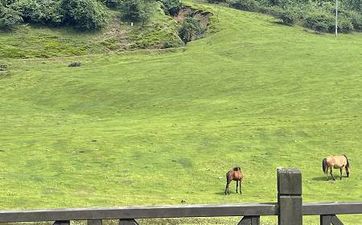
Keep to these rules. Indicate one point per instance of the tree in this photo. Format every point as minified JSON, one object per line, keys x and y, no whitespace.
{"x":136,"y":10}
{"x":84,"y":14}
{"x":8,"y":16}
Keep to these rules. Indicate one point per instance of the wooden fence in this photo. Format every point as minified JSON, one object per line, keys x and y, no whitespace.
{"x":289,"y":209}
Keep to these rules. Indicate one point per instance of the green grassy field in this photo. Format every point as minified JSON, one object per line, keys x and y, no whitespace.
{"x":153,"y":128}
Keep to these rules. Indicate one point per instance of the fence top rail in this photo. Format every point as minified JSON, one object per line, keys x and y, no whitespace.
{"x":140,"y":212}
{"x":251,"y":209}
{"x":332,"y":208}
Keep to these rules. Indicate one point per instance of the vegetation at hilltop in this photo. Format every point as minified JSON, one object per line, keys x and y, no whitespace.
{"x":37,"y":28}
{"x":318,"y":15}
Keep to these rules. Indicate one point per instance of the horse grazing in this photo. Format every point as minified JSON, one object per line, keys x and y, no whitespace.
{"x":336,"y":162}
{"x":234,"y":174}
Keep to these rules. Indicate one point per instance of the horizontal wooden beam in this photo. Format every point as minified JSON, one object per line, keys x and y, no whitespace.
{"x":140,"y":212}
{"x":174,"y":212}
{"x":332,"y":208}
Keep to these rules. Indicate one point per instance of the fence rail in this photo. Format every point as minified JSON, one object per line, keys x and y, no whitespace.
{"x":289,"y":209}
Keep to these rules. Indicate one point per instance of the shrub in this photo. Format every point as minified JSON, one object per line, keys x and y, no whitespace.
{"x":136,"y":10}
{"x":344,"y":25}
{"x":190,"y":29}
{"x":171,"y":7}
{"x":84,"y":14}
{"x":9,"y":17}
{"x":112,"y":3}
{"x":45,"y":12}
{"x":320,"y":21}
{"x":356,"y":20}
{"x":288,"y":16}
{"x":247,"y":5}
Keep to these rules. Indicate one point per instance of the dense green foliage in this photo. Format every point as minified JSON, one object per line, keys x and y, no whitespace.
{"x":81,"y":14}
{"x":136,"y":10}
{"x":46,"y":12}
{"x":171,"y":7}
{"x":316,"y":14}
{"x":84,"y":14}
{"x":9,"y":17}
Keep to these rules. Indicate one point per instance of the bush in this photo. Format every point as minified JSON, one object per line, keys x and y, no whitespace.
{"x":288,"y":16}
{"x":190,"y":30}
{"x":84,"y":14}
{"x":9,"y":17}
{"x":320,"y":21}
{"x":112,"y":3}
{"x":171,"y":7}
{"x":247,"y":5}
{"x":136,"y":10}
{"x":45,"y":12}
{"x":344,"y":25}
{"x":356,"y":20}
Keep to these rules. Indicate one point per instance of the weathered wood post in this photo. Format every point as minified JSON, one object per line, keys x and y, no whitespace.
{"x":290,"y":197}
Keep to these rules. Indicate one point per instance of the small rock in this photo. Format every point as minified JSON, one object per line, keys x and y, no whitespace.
{"x":74,"y":64}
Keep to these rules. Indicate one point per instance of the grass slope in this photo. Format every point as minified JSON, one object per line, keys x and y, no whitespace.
{"x":29,"y":41}
{"x":149,"y":128}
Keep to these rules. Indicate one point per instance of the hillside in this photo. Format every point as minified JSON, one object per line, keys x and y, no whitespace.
{"x":160,"y":31}
{"x":144,"y":128}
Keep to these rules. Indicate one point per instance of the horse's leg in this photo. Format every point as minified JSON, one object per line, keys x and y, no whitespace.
{"x":237,"y":184}
{"x":340,"y":173}
{"x":227,"y":187}
{"x":240,"y":186}
{"x":331,"y":168}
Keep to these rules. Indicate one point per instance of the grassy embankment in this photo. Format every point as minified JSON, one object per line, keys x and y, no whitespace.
{"x":144,"y":129}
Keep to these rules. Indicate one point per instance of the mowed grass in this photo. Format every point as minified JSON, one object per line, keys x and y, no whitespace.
{"x":150,"y":128}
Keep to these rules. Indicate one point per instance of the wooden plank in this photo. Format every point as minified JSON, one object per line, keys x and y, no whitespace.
{"x":289,"y":182}
{"x":290,"y":197}
{"x":128,"y":222}
{"x":94,"y":222}
{"x":245,"y":221}
{"x":332,"y":208}
{"x":336,"y":221}
{"x":255,"y":220}
{"x":140,"y":212}
{"x":250,"y":220}
{"x":290,"y":210}
{"x":325,"y":219}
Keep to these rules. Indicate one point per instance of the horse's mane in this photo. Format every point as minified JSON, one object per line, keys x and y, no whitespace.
{"x":236,"y":169}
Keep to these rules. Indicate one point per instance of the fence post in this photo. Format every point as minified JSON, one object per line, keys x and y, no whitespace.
{"x":289,"y":197}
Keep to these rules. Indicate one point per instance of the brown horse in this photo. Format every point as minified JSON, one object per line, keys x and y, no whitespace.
{"x":336,"y":162}
{"x":234,"y":174}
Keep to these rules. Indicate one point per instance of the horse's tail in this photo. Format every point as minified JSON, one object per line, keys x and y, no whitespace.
{"x":227,"y":176}
{"x":347,"y":165}
{"x":324,"y":165}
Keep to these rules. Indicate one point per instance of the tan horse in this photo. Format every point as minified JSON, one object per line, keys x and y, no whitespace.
{"x":336,"y":162}
{"x":234,"y":174}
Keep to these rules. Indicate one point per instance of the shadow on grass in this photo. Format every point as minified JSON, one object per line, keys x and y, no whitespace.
{"x":323,"y":178}
{"x":231,"y":193}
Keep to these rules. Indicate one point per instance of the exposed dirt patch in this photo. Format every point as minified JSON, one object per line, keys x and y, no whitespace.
{"x":194,"y":23}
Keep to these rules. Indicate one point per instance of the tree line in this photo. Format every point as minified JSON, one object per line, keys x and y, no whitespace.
{"x":83,"y":15}
{"x":318,"y":15}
